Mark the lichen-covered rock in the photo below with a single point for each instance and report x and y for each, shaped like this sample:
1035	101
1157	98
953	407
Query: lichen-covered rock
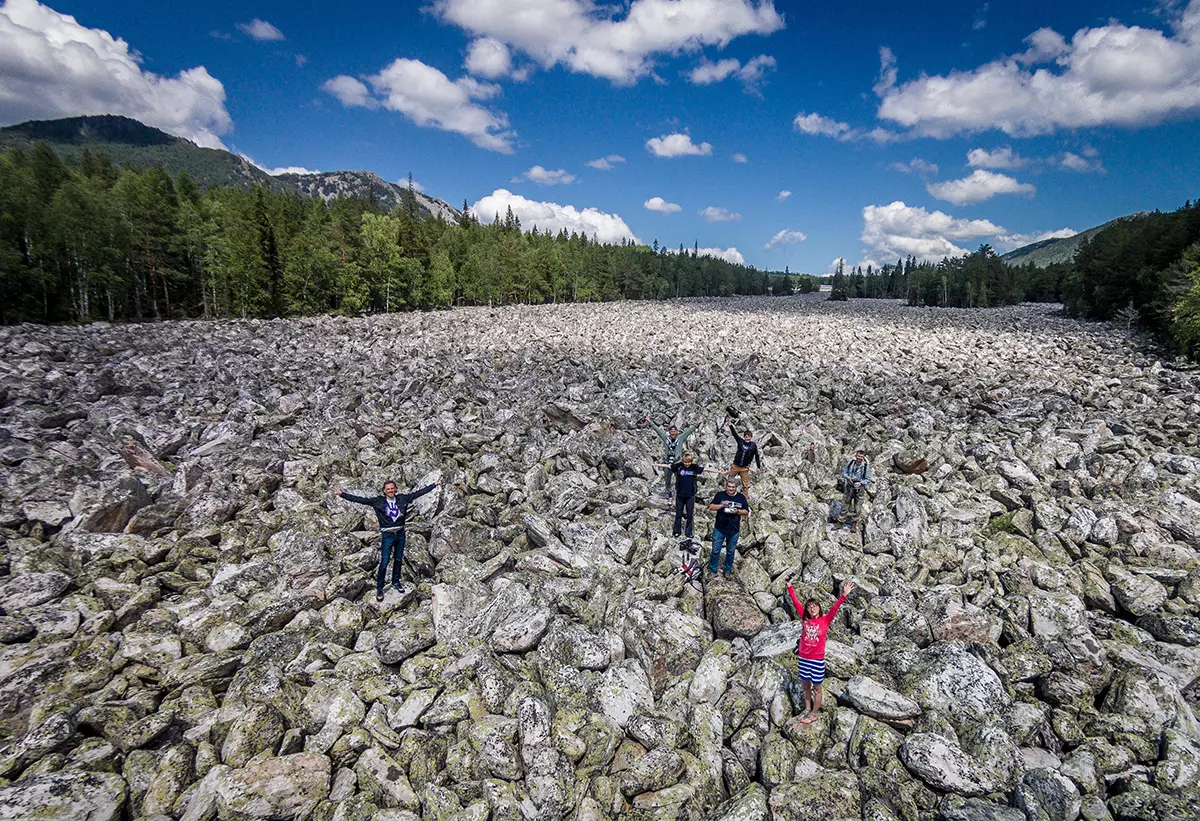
64	796
827	794
872	698
273	788
942	764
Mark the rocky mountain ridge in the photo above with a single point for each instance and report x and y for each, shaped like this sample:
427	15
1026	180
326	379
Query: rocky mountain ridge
189	630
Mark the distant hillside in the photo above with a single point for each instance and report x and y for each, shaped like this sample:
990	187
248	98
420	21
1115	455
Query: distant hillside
129	142
331	185
1052	251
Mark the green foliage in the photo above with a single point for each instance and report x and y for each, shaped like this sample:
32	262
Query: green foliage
1185	314
81	241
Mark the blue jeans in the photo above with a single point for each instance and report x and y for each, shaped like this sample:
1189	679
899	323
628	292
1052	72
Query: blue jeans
730	541
391	547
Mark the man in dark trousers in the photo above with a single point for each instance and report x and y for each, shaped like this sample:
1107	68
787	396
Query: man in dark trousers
686	472
391	509
730	507
747	450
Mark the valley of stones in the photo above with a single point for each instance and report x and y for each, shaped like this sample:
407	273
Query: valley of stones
189	628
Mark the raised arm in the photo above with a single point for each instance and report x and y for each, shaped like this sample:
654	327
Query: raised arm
733	430
350	497
688	431
662	434
833	610
795	601
417	494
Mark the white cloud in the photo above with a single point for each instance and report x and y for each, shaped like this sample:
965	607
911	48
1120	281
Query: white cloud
1000	158
784	238
980	186
605	163
677	145
261	30
659	204
783	195
915	166
431	99
290	169
820	125
51	66
350	91
887	72
1111	75
1073	162
739	158
605	227
714	214
488	58
590	38
728	254
751	75
1007	242
899	230
545	176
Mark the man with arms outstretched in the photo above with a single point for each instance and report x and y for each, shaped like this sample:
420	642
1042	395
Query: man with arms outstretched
391	509
673	442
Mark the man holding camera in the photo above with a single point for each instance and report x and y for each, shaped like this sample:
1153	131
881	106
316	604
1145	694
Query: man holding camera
730	506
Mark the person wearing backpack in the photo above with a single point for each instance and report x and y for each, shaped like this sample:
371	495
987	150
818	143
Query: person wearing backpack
810	649
856	475
673	441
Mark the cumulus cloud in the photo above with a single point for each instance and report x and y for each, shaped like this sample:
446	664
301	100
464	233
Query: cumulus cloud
1110	75
430	99
488	58
661	205
751	75
822	126
784	238
783	195
739	158
289	169
677	145
545	176
1000	158
728	254
1007	242
260	30
1073	162
714	214
980	186
617	42
605	163
899	230
52	66
915	166
608	228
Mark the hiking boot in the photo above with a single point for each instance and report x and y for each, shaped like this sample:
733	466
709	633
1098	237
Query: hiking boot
378	595
398	587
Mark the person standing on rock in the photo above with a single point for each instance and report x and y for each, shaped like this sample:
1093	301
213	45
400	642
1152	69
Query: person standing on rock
391	509
810	649
730	506
673	442
747	450
856	475
686	472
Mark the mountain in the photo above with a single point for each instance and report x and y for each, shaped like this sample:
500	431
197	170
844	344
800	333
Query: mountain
1052	251
128	142
330	185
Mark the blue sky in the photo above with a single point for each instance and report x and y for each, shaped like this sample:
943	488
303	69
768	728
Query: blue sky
898	129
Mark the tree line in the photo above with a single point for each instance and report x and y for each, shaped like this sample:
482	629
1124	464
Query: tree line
1144	267
81	240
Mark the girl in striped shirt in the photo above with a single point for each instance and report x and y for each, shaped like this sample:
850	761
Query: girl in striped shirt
810	649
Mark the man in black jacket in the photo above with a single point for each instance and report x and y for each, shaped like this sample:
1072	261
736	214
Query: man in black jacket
391	509
685	472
